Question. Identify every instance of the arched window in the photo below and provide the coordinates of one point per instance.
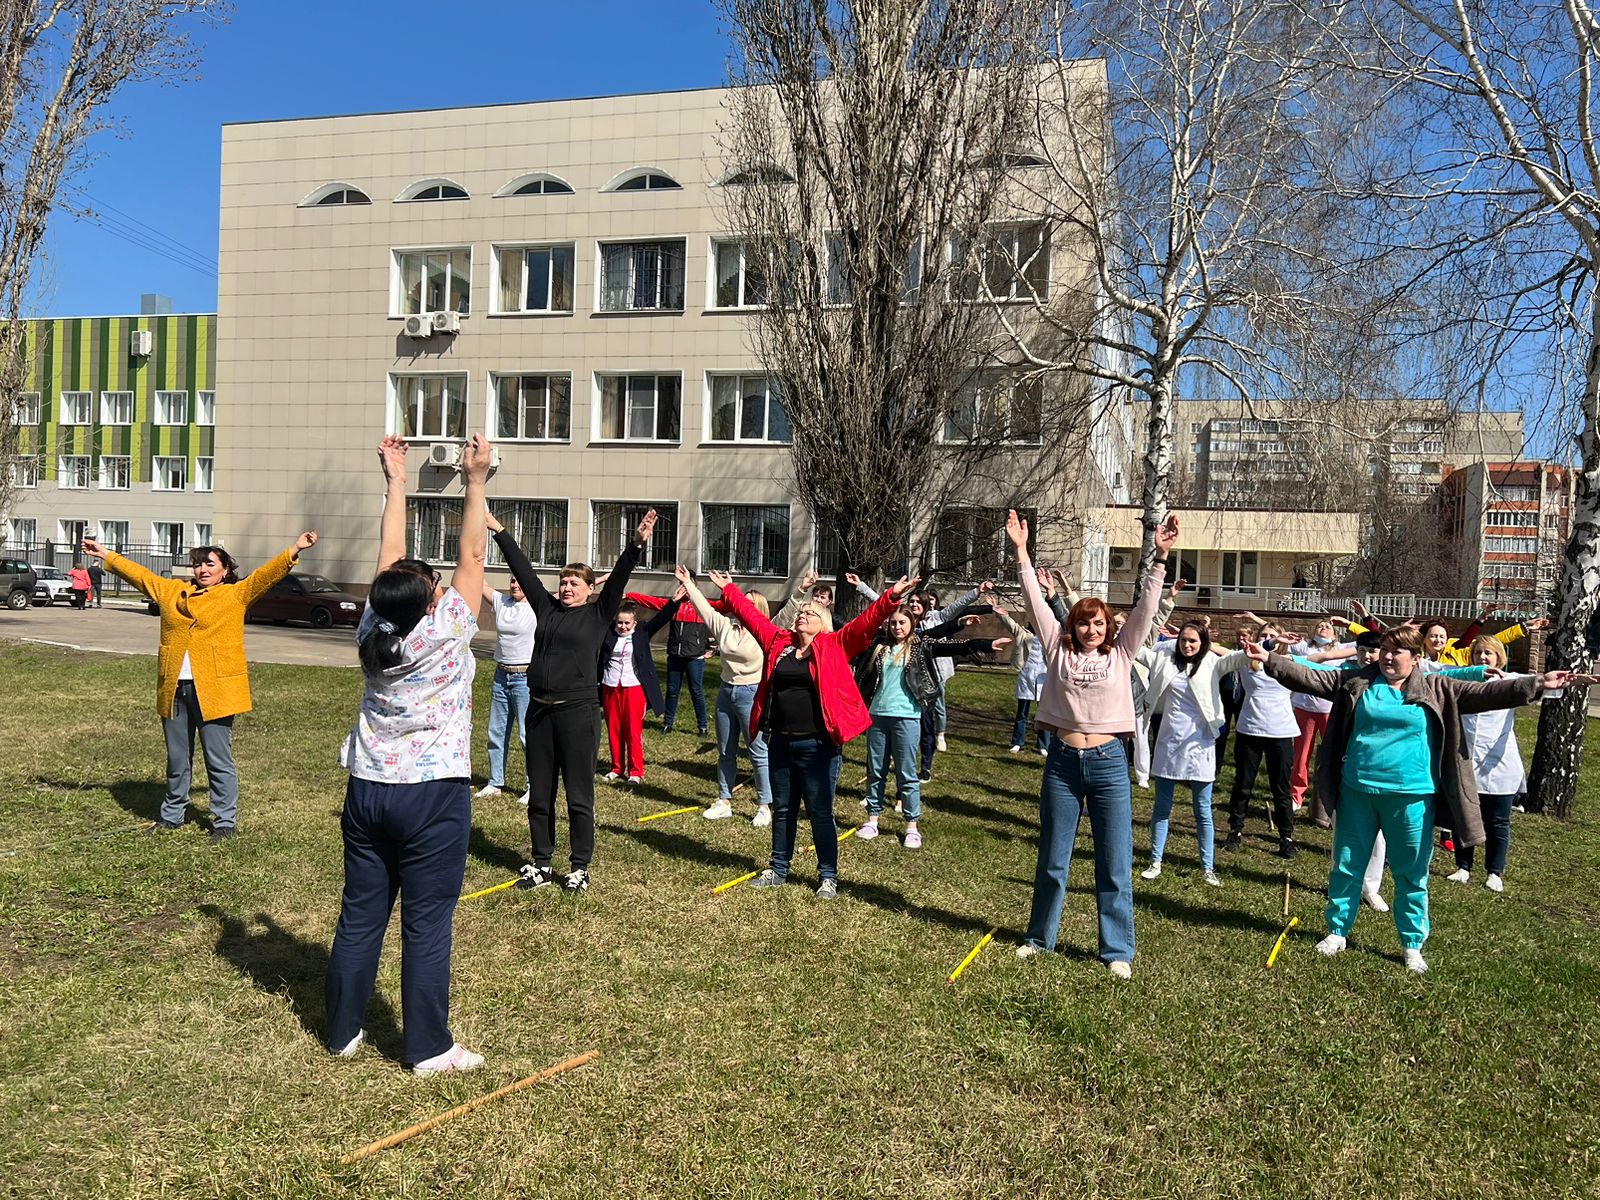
(643, 179)
(538, 183)
(434, 189)
(1012, 160)
(756, 173)
(330, 194)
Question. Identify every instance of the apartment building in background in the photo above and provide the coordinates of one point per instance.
(116, 433)
(559, 275)
(1508, 524)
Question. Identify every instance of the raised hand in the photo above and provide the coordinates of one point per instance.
(970, 621)
(1541, 623)
(600, 579)
(1047, 581)
(646, 527)
(999, 644)
(306, 540)
(721, 578)
(1167, 535)
(477, 456)
(902, 586)
(852, 579)
(682, 574)
(1254, 651)
(1177, 586)
(808, 581)
(392, 457)
(93, 548)
(1017, 530)
(679, 593)
(492, 521)
(986, 588)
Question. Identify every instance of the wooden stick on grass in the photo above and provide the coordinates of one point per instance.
(394, 1139)
(1286, 895)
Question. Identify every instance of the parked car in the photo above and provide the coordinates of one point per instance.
(17, 582)
(313, 598)
(184, 572)
(53, 586)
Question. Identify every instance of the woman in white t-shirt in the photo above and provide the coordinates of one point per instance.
(408, 806)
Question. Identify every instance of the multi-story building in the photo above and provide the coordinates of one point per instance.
(116, 423)
(557, 274)
(1509, 523)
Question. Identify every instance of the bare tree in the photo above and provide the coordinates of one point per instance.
(872, 147)
(61, 64)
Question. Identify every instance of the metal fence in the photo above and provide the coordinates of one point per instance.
(63, 556)
(1390, 606)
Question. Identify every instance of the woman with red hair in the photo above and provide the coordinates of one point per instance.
(1087, 703)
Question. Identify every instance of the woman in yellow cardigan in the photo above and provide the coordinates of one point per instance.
(202, 680)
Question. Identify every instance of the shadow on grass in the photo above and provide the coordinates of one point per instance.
(1191, 915)
(486, 850)
(892, 901)
(676, 845)
(284, 964)
(138, 797)
(961, 807)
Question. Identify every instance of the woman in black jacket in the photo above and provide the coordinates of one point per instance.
(898, 680)
(563, 695)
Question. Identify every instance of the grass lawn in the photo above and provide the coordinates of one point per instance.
(162, 1015)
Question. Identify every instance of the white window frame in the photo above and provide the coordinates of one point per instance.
(1019, 293)
(204, 533)
(743, 302)
(597, 414)
(1238, 587)
(205, 473)
(410, 194)
(506, 510)
(511, 188)
(108, 533)
(395, 421)
(733, 566)
(163, 544)
(164, 416)
(707, 433)
(433, 553)
(497, 255)
(492, 415)
(619, 181)
(15, 528)
(910, 287)
(110, 402)
(657, 554)
(25, 412)
(108, 472)
(205, 408)
(77, 467)
(983, 388)
(85, 399)
(161, 465)
(600, 275)
(24, 471)
(397, 290)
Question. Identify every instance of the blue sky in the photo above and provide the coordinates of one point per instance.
(155, 181)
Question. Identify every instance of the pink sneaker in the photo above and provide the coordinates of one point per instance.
(452, 1062)
(913, 840)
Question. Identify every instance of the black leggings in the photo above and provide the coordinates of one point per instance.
(1248, 751)
(561, 742)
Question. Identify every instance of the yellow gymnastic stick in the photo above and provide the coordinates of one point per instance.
(972, 954)
(499, 887)
(672, 812)
(733, 883)
(394, 1139)
(1282, 937)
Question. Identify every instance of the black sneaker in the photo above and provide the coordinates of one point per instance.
(221, 833)
(164, 827)
(533, 875)
(1287, 848)
(1234, 841)
(577, 882)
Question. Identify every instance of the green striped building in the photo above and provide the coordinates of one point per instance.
(116, 423)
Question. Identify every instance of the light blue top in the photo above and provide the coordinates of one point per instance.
(1391, 748)
(893, 698)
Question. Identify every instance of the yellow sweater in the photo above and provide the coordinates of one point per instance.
(1454, 653)
(207, 624)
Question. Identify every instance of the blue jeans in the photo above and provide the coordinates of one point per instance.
(1497, 826)
(1019, 731)
(896, 738)
(695, 670)
(1095, 780)
(508, 701)
(734, 702)
(1204, 833)
(941, 714)
(807, 767)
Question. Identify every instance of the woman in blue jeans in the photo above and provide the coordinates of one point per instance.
(741, 656)
(1087, 703)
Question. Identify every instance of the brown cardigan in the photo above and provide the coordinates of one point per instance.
(1446, 699)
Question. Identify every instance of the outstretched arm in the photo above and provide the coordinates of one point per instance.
(669, 609)
(1142, 619)
(1293, 676)
(147, 581)
(540, 600)
(616, 584)
(473, 543)
(860, 585)
(744, 612)
(260, 581)
(392, 529)
(858, 634)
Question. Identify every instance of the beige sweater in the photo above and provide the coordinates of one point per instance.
(741, 653)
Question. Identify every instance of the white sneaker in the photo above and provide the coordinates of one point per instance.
(1043, 753)
(1121, 970)
(763, 817)
(864, 802)
(1495, 884)
(452, 1062)
(867, 832)
(938, 743)
(720, 811)
(1153, 871)
(612, 776)
(523, 799)
(636, 780)
(1028, 950)
(1460, 875)
(1016, 750)
(1144, 785)
(354, 1044)
(485, 792)
(1374, 901)
(1331, 945)
(1211, 879)
(1415, 962)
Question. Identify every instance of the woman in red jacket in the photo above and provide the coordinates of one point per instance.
(808, 707)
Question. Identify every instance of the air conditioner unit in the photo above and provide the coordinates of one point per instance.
(447, 322)
(141, 342)
(419, 325)
(444, 454)
(1121, 562)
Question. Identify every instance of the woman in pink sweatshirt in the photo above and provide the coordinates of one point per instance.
(1087, 703)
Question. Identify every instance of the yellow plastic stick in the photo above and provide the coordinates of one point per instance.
(1282, 937)
(972, 954)
(733, 883)
(671, 812)
(394, 1139)
(499, 887)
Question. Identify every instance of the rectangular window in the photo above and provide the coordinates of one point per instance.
(1239, 571)
(640, 408)
(533, 408)
(642, 276)
(1526, 519)
(745, 539)
(433, 529)
(613, 523)
(431, 406)
(748, 408)
(432, 281)
(202, 533)
(24, 472)
(827, 553)
(26, 409)
(538, 526)
(167, 536)
(840, 278)
(168, 474)
(748, 277)
(72, 471)
(204, 474)
(77, 408)
(114, 534)
(22, 532)
(116, 472)
(1518, 492)
(1511, 545)
(205, 408)
(1012, 263)
(1188, 564)
(996, 406)
(535, 278)
(172, 408)
(971, 543)
(116, 408)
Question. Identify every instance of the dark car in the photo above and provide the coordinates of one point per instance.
(17, 582)
(313, 598)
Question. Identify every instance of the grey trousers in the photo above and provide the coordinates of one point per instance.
(216, 741)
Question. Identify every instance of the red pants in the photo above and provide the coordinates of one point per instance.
(624, 709)
(1313, 726)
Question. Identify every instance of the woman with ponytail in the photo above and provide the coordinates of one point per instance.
(408, 806)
